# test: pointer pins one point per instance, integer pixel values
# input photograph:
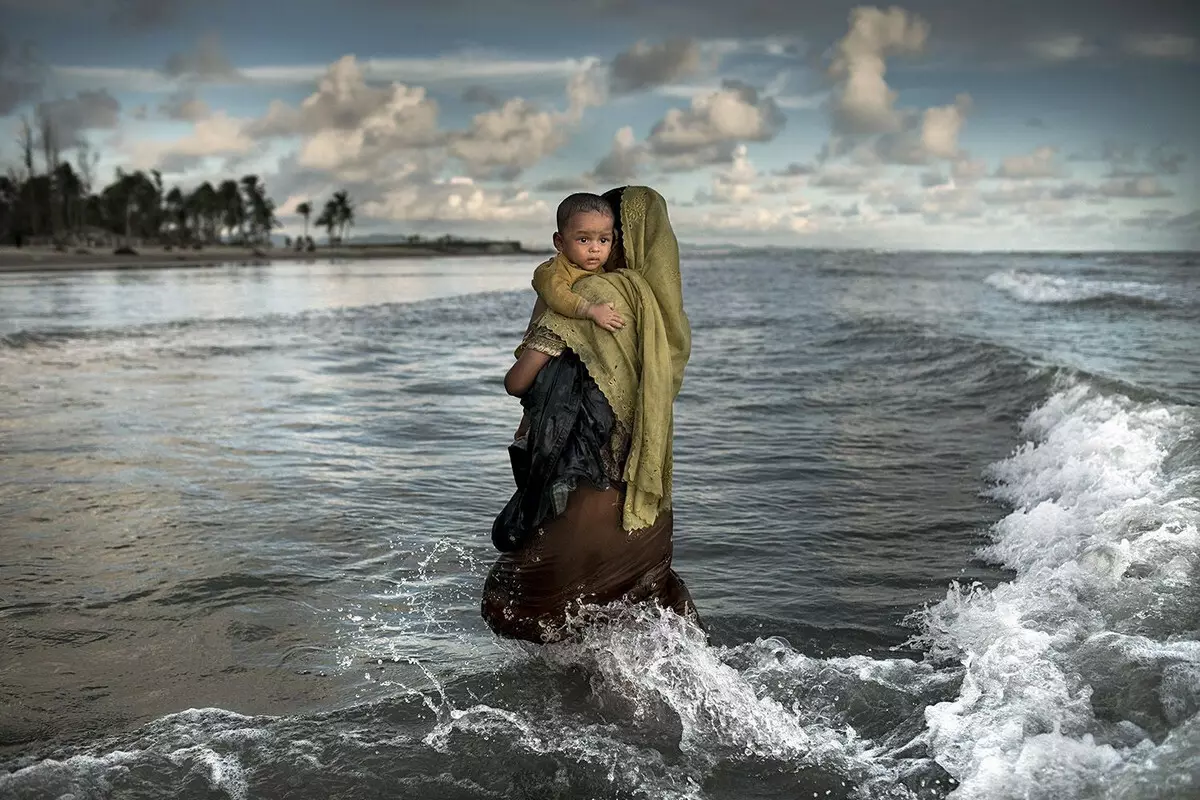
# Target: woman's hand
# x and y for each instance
(521, 375)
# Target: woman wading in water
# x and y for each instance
(591, 522)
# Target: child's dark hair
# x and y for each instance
(581, 203)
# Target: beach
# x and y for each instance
(38, 258)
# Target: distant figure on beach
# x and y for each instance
(591, 520)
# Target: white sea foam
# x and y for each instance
(1083, 672)
(1040, 288)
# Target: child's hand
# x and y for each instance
(606, 317)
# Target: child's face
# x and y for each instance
(587, 239)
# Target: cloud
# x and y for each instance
(1065, 47)
(21, 76)
(931, 135)
(456, 200)
(205, 61)
(144, 15)
(752, 219)
(185, 106)
(567, 185)
(895, 200)
(1135, 188)
(707, 132)
(1127, 160)
(646, 65)
(795, 170)
(734, 183)
(71, 117)
(216, 135)
(350, 129)
(1160, 45)
(449, 70)
(862, 102)
(622, 161)
(940, 127)
(951, 203)
(842, 178)
(503, 142)
(967, 171)
(481, 95)
(1041, 163)
(1036, 122)
(933, 178)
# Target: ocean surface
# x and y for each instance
(939, 512)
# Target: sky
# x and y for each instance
(935, 124)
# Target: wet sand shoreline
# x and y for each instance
(46, 259)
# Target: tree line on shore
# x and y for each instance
(61, 205)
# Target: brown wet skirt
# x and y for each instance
(582, 557)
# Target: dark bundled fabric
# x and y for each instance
(569, 425)
(561, 534)
(582, 557)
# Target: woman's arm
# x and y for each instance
(522, 374)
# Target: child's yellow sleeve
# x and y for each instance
(553, 281)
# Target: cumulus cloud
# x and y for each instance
(216, 135)
(505, 141)
(940, 127)
(734, 183)
(646, 65)
(184, 106)
(708, 131)
(1041, 163)
(624, 159)
(895, 200)
(753, 219)
(838, 177)
(1161, 45)
(862, 102)
(456, 200)
(205, 61)
(1127, 160)
(950, 202)
(71, 117)
(1135, 188)
(343, 101)
(1067, 47)
(967, 170)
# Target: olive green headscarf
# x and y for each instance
(640, 367)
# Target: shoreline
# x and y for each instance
(46, 259)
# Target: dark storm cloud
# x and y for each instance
(71, 116)
(982, 29)
(21, 76)
(205, 61)
(646, 65)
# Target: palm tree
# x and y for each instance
(304, 209)
(260, 209)
(329, 220)
(176, 213)
(205, 208)
(343, 213)
(233, 209)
